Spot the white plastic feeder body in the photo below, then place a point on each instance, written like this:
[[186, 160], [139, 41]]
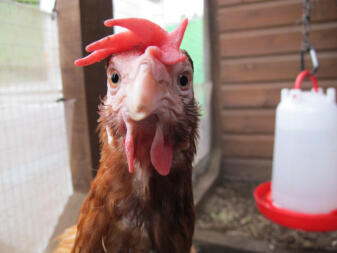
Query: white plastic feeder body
[[304, 177]]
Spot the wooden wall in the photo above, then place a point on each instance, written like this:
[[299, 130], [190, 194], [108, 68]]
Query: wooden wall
[[255, 49]]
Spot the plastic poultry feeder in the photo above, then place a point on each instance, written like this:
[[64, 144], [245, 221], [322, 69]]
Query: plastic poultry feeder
[[303, 191]]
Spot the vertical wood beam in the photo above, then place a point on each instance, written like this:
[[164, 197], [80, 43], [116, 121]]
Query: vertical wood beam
[[213, 30], [80, 22]]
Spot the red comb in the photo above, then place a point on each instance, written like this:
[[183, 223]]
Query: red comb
[[141, 34]]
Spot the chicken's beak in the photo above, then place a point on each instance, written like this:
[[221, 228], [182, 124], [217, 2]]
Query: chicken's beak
[[143, 94]]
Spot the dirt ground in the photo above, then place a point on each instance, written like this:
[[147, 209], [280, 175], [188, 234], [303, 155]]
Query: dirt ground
[[230, 209]]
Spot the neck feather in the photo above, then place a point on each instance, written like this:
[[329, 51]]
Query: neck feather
[[142, 210]]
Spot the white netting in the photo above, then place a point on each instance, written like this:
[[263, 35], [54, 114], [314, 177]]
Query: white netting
[[35, 179]]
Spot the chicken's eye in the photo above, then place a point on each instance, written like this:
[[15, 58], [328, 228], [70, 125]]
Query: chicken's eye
[[114, 79], [183, 81]]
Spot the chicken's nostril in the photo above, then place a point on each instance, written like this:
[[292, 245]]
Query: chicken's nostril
[[139, 112], [145, 67], [140, 108], [138, 116]]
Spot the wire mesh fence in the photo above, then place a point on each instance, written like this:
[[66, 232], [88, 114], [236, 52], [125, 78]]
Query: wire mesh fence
[[35, 179]]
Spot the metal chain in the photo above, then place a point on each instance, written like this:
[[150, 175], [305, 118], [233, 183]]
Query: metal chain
[[306, 45]]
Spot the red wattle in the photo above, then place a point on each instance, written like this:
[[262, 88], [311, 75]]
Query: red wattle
[[129, 148], [161, 153]]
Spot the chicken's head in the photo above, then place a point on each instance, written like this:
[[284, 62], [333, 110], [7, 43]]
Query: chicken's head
[[149, 110]]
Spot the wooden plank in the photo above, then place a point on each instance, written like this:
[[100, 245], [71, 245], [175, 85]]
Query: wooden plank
[[274, 68], [267, 14], [259, 95], [277, 40], [251, 95], [211, 8], [77, 26], [248, 146], [248, 121], [246, 169], [272, 14], [224, 241], [222, 3]]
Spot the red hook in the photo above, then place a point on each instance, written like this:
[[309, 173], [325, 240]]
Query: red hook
[[303, 75]]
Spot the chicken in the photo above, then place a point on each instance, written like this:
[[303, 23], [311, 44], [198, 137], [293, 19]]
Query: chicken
[[141, 198]]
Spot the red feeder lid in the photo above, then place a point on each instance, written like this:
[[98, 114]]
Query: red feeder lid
[[292, 219]]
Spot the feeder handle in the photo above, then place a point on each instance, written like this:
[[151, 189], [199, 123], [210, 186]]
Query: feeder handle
[[303, 75], [313, 57]]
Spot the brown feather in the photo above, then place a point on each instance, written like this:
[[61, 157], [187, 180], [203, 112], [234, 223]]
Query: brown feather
[[123, 213], [66, 240]]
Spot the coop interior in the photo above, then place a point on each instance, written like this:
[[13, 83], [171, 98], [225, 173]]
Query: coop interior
[[244, 53]]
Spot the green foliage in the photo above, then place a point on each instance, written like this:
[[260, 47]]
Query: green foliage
[[21, 44], [34, 2], [193, 43]]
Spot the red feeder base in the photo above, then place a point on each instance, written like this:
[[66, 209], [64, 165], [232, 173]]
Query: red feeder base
[[291, 219]]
